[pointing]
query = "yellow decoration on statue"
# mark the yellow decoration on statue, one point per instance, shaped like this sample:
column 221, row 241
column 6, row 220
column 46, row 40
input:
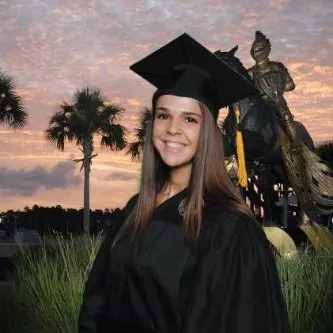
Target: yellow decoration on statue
column 242, row 174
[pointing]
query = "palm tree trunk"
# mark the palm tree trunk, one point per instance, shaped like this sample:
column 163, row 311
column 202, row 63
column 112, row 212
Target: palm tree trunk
column 87, row 152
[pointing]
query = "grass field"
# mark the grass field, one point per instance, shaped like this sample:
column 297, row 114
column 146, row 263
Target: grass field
column 50, row 281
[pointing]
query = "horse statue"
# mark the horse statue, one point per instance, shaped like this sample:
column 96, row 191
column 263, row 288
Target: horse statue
column 278, row 149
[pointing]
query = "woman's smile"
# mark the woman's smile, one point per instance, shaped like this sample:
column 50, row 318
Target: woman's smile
column 176, row 146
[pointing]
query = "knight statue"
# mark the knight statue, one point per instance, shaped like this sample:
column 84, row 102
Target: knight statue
column 272, row 79
column 278, row 149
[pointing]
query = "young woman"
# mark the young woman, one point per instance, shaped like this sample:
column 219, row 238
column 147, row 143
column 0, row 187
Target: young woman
column 185, row 255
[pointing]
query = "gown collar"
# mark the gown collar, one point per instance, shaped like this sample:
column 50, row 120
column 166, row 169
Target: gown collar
column 168, row 210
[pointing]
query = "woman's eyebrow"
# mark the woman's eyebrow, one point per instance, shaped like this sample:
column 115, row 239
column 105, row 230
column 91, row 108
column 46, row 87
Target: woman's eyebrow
column 162, row 108
column 187, row 113
column 191, row 114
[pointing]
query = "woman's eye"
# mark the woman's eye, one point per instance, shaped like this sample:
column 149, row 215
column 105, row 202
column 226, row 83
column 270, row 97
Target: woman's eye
column 191, row 120
column 162, row 116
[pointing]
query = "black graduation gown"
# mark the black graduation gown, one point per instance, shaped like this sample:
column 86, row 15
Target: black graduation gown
column 227, row 283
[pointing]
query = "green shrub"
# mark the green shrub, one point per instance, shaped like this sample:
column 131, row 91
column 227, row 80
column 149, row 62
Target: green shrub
column 50, row 281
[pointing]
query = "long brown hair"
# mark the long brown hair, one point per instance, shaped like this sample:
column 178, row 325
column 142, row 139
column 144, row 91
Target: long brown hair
column 209, row 180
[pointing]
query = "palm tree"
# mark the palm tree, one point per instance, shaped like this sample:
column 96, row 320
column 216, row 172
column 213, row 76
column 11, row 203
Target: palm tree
column 135, row 149
column 12, row 112
column 89, row 115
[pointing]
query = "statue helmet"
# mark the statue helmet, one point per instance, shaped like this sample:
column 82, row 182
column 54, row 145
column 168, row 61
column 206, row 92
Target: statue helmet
column 263, row 40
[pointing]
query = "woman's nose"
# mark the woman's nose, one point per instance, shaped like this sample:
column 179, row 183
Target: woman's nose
column 173, row 127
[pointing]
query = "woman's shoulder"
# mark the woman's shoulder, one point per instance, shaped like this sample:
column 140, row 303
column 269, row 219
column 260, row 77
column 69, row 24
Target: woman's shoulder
column 224, row 217
column 228, row 228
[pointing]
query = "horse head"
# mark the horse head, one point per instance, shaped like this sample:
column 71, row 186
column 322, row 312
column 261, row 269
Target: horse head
column 234, row 62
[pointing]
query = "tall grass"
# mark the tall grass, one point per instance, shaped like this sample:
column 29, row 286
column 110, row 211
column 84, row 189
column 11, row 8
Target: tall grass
column 50, row 281
column 307, row 284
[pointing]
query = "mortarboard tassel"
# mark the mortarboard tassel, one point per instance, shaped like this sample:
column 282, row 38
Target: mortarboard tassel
column 242, row 174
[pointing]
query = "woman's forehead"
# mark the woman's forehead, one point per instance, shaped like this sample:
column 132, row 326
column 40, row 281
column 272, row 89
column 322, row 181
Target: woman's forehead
column 178, row 103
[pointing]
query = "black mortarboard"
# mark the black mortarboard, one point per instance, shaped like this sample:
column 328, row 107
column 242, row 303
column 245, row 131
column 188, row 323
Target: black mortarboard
column 183, row 67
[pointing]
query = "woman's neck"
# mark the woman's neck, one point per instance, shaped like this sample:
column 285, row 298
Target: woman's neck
column 179, row 179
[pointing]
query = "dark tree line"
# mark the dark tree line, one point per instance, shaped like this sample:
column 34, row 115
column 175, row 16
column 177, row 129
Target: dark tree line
column 47, row 220
column 325, row 151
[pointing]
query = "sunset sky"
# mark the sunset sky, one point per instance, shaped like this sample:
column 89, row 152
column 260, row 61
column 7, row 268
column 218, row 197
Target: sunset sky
column 53, row 47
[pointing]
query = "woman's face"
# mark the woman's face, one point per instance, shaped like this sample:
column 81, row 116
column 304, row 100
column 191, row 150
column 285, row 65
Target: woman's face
column 176, row 129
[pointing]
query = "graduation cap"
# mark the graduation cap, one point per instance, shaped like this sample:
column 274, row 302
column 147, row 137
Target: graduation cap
column 183, row 67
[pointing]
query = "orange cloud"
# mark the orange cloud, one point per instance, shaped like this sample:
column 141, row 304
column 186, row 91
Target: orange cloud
column 133, row 102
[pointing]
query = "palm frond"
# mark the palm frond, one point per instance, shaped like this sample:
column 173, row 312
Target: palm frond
column 87, row 102
column 67, row 109
column 111, row 113
column 6, row 82
column 135, row 149
column 145, row 116
column 88, row 96
column 113, row 136
column 12, row 111
column 55, row 136
column 61, row 127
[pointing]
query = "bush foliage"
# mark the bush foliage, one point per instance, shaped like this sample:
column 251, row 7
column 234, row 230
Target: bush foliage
column 50, row 281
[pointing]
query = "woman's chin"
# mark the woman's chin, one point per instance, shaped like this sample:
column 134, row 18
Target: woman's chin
column 176, row 162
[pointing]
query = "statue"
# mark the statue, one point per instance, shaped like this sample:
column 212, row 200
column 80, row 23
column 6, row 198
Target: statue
column 278, row 149
column 310, row 178
column 272, row 79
